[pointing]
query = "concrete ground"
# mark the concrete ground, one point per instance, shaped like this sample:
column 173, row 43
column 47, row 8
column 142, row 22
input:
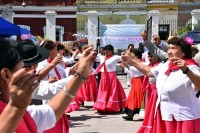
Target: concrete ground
column 87, row 120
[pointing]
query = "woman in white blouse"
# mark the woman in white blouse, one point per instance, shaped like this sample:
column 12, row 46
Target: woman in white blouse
column 177, row 108
column 111, row 96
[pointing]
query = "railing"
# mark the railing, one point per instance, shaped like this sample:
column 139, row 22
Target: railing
column 161, row 1
column 134, row 1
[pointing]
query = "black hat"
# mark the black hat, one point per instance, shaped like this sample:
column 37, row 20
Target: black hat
column 32, row 53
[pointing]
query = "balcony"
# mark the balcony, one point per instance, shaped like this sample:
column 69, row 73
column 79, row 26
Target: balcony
column 95, row 2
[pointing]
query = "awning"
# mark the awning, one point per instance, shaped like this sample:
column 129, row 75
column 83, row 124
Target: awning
column 9, row 29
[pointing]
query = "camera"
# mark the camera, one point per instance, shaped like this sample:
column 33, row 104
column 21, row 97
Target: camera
column 24, row 4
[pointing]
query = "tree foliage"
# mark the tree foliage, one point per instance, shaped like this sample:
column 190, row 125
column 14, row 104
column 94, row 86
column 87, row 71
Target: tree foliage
column 185, row 29
column 188, row 28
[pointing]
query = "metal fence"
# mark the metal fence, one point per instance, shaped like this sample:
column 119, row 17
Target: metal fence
column 133, row 1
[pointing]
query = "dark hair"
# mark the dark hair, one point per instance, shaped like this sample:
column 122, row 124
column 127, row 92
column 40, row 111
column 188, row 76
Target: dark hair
column 10, row 53
column 195, row 49
column 60, row 47
column 130, row 45
column 186, row 48
column 66, row 51
column 109, row 47
column 149, row 54
column 75, row 44
column 141, row 47
column 137, row 53
column 49, row 45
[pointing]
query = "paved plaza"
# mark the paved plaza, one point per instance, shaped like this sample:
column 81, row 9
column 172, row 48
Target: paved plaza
column 89, row 121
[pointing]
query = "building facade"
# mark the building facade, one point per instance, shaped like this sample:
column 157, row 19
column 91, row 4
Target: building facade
column 173, row 14
column 39, row 16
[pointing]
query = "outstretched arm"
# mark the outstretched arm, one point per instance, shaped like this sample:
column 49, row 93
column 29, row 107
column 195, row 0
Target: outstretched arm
column 60, row 102
column 153, row 49
column 146, row 70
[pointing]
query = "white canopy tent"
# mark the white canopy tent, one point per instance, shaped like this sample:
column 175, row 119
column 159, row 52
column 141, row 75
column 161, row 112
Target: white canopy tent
column 121, row 35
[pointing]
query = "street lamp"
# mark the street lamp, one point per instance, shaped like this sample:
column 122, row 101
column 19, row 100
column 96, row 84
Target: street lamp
column 24, row 3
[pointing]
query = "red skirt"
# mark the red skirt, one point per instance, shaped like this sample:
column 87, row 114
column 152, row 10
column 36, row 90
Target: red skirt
column 160, row 126
column 89, row 89
column 74, row 105
column 148, row 121
column 136, row 94
column 111, row 96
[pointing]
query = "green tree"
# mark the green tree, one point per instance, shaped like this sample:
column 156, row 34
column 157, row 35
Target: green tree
column 185, row 29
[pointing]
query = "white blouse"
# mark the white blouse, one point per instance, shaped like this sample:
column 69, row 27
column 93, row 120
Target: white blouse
column 176, row 94
column 52, row 73
column 66, row 61
column 46, row 90
column 110, row 63
column 134, row 72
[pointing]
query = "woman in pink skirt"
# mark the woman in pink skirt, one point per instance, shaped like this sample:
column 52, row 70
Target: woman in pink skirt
column 89, row 89
column 111, row 96
column 177, row 109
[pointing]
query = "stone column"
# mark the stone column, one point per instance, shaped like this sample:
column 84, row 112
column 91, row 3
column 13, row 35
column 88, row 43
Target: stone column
column 155, row 14
column 50, row 31
column 7, row 13
column 195, row 17
column 92, row 27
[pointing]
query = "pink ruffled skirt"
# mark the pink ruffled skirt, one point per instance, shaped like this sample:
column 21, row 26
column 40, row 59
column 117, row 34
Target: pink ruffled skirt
column 89, row 89
column 111, row 96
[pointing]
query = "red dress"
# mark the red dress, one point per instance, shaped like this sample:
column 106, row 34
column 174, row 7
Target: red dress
column 111, row 96
column 26, row 124
column 135, row 97
column 62, row 126
column 89, row 89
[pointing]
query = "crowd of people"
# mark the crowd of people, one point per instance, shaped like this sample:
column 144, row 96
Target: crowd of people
column 41, row 84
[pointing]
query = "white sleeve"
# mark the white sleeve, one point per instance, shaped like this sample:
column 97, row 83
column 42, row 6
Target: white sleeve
column 98, row 58
column 67, row 70
column 195, row 70
column 41, row 66
column 119, row 58
column 43, row 115
column 197, row 57
column 68, row 61
column 155, row 70
column 126, row 70
column 46, row 90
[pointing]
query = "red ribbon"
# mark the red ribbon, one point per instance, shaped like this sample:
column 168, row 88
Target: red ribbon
column 102, row 65
column 173, row 67
column 56, row 70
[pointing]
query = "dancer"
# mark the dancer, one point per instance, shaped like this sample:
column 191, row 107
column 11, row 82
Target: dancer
column 136, row 95
column 151, row 97
column 111, row 96
column 128, row 76
column 177, row 81
column 89, row 89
